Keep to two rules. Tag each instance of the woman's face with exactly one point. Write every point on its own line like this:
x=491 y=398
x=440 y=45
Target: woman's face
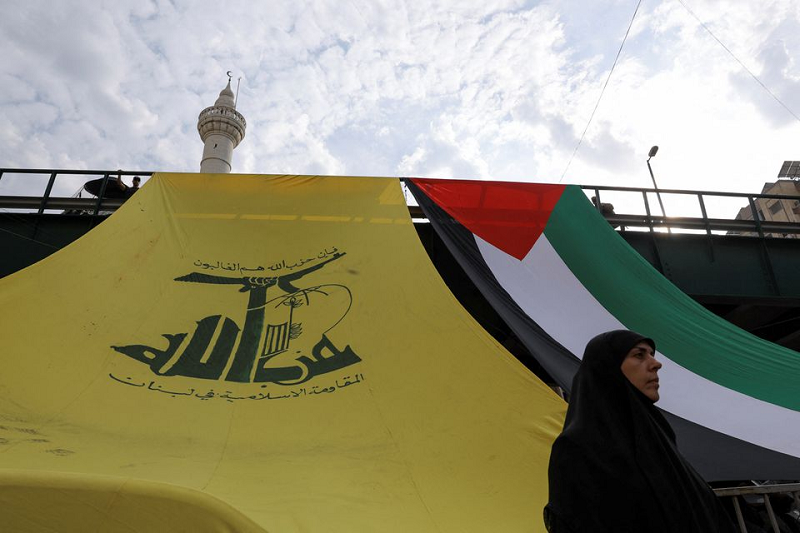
x=641 y=369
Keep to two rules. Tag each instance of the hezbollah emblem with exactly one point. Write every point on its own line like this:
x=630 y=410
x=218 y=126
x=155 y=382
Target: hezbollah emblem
x=263 y=349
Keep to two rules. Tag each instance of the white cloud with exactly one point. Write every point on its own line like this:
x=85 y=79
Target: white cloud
x=492 y=89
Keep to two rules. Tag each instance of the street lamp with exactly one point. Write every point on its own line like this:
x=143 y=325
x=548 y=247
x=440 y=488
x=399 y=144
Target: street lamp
x=652 y=154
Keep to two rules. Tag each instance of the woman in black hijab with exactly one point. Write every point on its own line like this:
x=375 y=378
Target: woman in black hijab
x=616 y=467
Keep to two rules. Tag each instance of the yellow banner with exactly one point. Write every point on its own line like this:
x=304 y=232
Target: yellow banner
x=261 y=353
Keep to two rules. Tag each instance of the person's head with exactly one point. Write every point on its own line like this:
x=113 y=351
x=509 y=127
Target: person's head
x=641 y=368
x=136 y=181
x=623 y=355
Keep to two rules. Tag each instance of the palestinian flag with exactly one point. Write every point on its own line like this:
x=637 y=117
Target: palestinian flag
x=558 y=274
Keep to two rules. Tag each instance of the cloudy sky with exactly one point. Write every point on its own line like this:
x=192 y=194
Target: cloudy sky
x=488 y=89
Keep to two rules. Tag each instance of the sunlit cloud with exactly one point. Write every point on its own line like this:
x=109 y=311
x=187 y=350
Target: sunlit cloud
x=479 y=90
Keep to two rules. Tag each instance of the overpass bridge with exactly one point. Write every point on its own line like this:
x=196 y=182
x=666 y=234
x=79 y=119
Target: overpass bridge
x=745 y=271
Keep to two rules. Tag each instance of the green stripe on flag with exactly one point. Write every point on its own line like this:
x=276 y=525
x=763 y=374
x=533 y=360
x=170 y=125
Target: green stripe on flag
x=642 y=299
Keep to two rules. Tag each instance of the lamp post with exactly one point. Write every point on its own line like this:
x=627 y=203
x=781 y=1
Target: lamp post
x=652 y=154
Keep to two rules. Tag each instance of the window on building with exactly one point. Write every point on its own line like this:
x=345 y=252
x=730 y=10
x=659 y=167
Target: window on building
x=760 y=215
x=774 y=208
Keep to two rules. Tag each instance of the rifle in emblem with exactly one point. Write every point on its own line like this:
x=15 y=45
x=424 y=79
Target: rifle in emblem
x=244 y=358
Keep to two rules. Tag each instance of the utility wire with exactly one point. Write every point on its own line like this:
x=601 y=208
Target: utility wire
x=738 y=61
x=779 y=323
x=21 y=236
x=12 y=215
x=610 y=72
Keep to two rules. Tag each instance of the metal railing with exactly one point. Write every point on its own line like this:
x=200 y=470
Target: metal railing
x=647 y=221
x=90 y=205
x=754 y=225
x=764 y=491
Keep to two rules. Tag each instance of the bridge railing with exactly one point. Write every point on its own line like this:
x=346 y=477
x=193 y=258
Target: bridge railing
x=19 y=195
x=632 y=214
x=763 y=224
x=762 y=493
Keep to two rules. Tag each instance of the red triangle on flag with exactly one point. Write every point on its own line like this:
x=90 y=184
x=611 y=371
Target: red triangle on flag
x=511 y=216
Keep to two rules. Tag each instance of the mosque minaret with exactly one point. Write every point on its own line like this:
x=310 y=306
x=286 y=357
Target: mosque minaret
x=222 y=129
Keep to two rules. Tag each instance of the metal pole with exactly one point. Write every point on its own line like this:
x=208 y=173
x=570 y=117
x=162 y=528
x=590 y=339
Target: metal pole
x=658 y=194
x=647 y=210
x=739 y=517
x=764 y=248
x=660 y=266
x=106 y=177
x=708 y=226
x=771 y=514
x=597 y=201
x=47 y=192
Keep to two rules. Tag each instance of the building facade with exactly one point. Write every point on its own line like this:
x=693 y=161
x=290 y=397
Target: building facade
x=776 y=209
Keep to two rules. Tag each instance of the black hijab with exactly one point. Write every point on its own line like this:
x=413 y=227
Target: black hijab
x=616 y=467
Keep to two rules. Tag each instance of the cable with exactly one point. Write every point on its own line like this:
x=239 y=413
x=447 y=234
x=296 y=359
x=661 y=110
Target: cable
x=779 y=323
x=29 y=239
x=601 y=92
x=13 y=215
x=738 y=61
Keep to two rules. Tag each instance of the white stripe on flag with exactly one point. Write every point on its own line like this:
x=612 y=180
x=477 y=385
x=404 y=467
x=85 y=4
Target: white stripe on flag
x=547 y=291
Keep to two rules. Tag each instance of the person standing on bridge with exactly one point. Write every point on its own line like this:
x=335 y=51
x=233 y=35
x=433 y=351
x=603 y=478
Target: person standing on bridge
x=128 y=190
x=616 y=467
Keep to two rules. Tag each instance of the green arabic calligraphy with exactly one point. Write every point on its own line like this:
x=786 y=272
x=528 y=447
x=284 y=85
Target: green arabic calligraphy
x=247 y=352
